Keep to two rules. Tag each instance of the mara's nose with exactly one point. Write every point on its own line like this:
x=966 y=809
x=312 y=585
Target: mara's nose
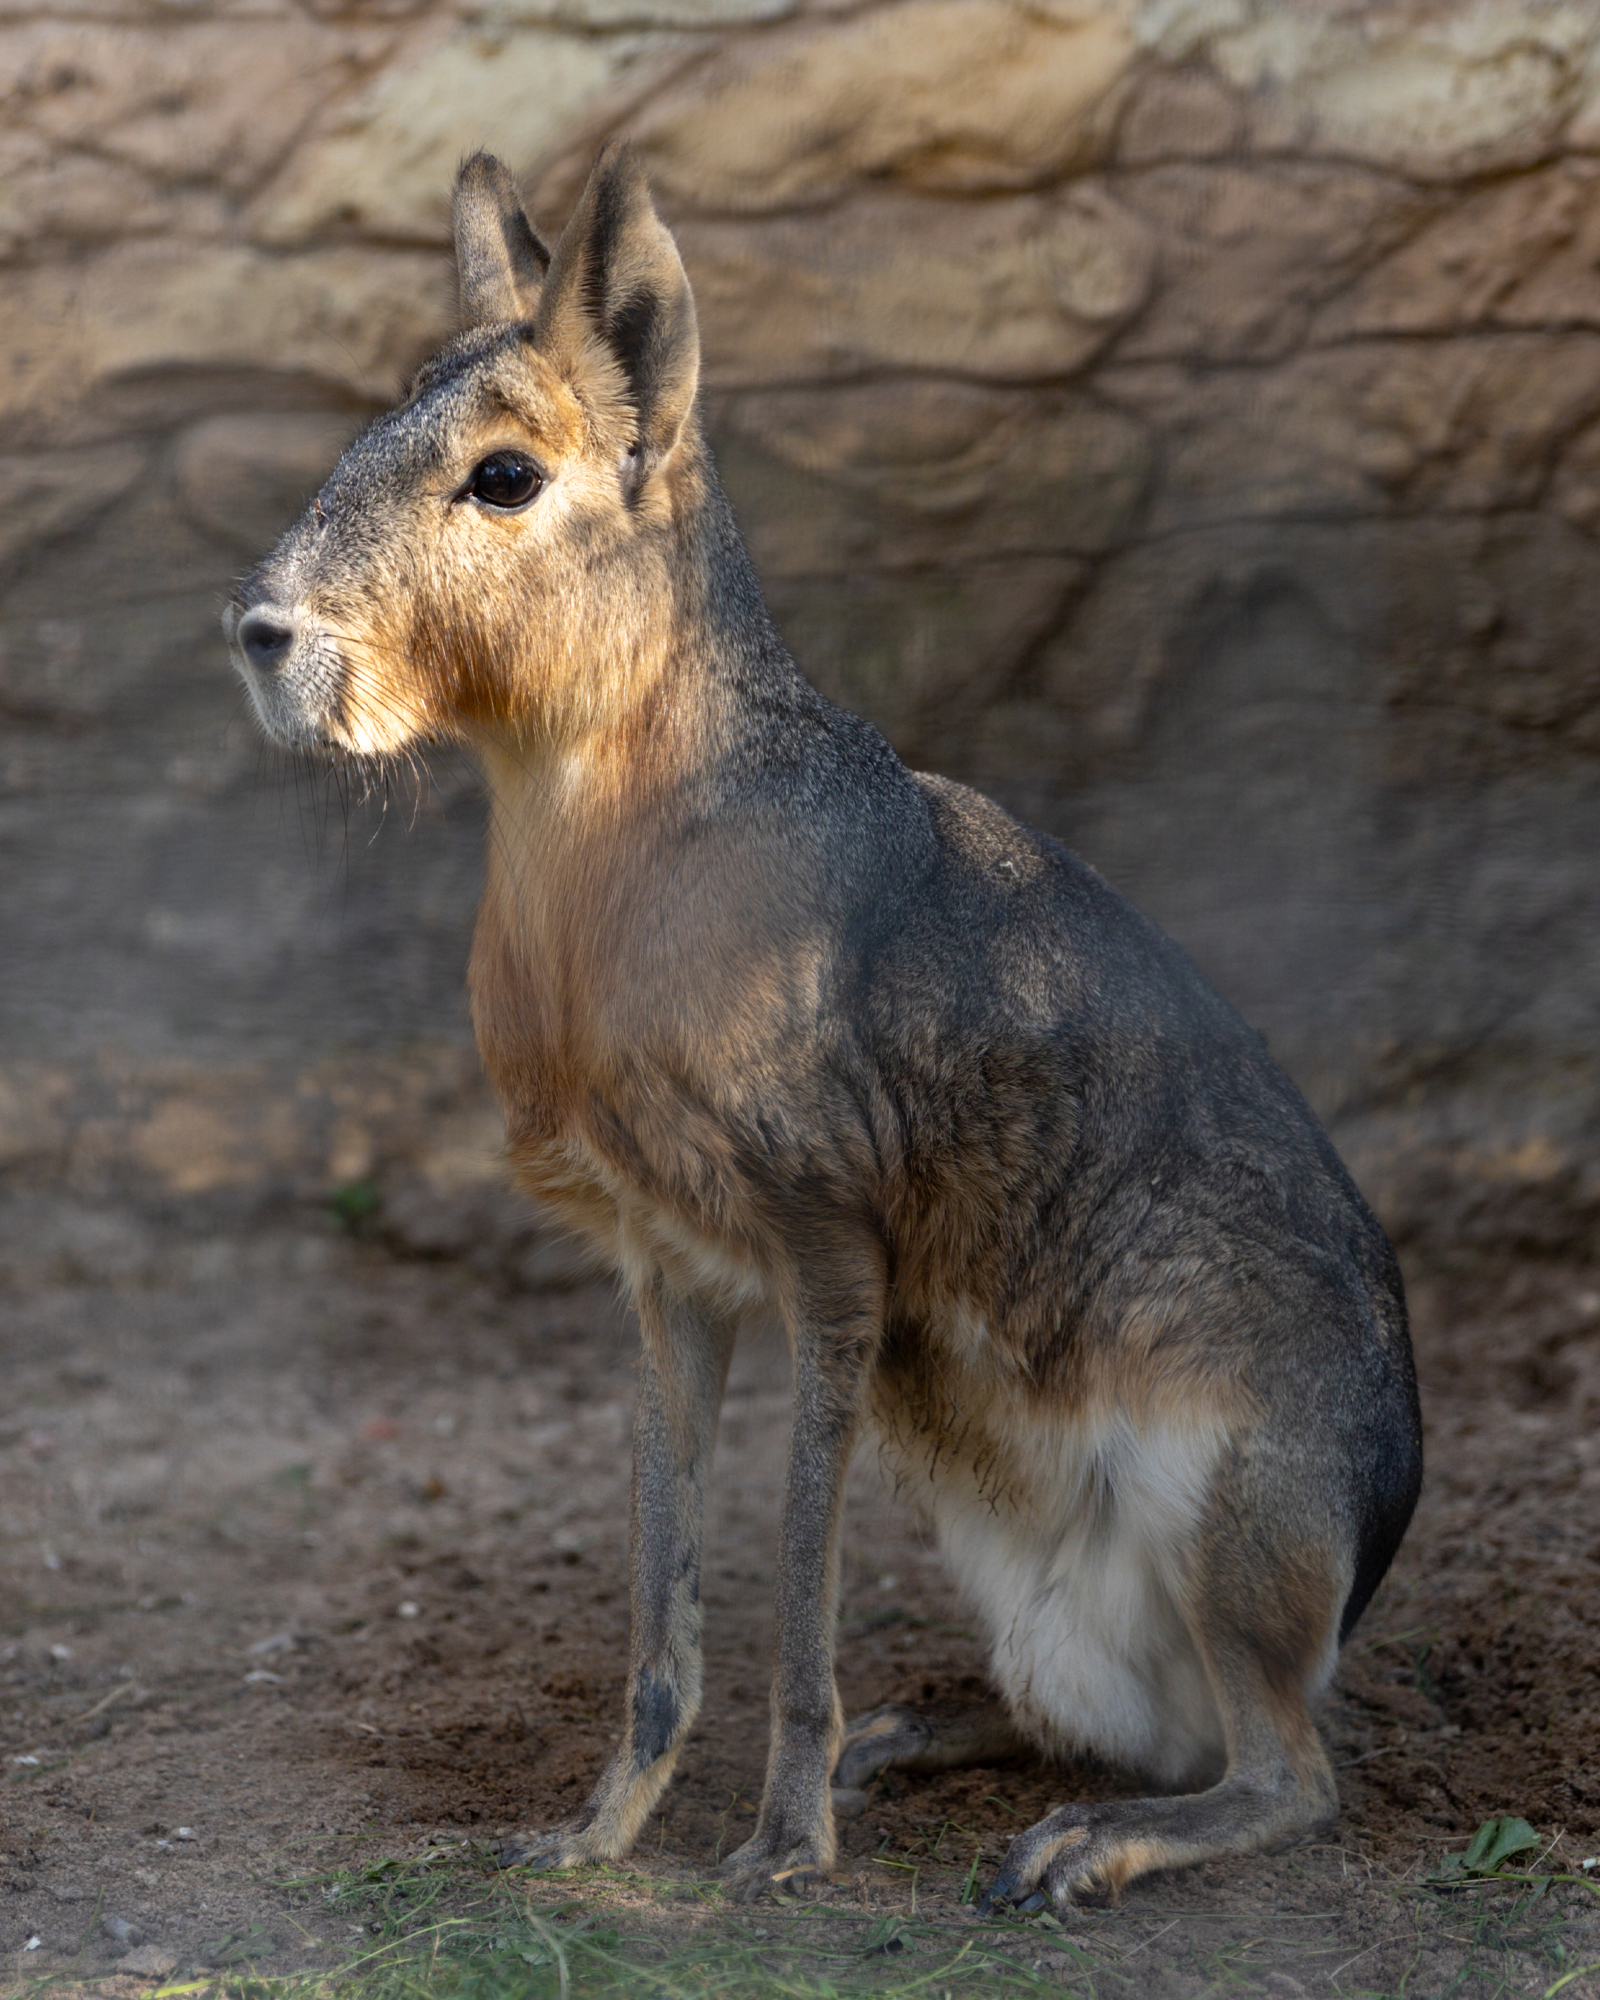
x=265 y=636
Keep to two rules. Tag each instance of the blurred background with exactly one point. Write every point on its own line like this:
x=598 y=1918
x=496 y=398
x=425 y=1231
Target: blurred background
x=1180 y=418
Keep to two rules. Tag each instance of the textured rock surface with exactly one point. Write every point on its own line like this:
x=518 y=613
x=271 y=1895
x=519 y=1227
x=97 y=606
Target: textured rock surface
x=1182 y=419
x=951 y=96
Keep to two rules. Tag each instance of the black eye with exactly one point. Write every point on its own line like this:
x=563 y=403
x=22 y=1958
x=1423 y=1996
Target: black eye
x=505 y=479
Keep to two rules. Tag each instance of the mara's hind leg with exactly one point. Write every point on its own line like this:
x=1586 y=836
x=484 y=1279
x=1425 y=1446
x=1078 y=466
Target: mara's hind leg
x=1263 y=1650
x=929 y=1736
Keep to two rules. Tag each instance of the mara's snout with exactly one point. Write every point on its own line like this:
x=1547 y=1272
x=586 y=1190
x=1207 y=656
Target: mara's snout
x=311 y=684
x=293 y=675
x=266 y=638
x=310 y=661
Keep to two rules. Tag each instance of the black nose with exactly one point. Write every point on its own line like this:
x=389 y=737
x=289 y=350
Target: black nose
x=266 y=636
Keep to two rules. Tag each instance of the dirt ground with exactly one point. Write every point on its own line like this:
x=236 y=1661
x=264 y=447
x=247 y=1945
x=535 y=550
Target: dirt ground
x=312 y=1556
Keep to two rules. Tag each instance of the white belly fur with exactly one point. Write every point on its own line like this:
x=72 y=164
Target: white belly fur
x=1072 y=1547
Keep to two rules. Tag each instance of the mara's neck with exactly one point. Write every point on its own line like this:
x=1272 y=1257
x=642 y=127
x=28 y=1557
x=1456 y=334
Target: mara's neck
x=655 y=709
x=570 y=805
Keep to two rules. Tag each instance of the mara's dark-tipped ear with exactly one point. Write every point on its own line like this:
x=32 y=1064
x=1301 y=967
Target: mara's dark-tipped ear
x=500 y=263
x=618 y=295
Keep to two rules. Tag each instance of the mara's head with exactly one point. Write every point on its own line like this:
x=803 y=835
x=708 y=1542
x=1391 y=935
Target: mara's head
x=498 y=553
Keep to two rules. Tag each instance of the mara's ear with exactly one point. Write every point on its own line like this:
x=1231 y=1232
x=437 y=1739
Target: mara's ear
x=500 y=263
x=617 y=310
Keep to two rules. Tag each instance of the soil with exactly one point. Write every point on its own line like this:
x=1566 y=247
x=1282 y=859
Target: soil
x=312 y=1555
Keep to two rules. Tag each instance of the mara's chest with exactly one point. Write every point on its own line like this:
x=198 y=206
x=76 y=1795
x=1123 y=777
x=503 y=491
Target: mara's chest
x=642 y=1229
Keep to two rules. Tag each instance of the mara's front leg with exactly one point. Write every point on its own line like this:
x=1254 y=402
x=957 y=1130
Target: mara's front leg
x=683 y=1366
x=835 y=1327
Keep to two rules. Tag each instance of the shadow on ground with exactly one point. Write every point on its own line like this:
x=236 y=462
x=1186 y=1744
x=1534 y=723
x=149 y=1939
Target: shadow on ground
x=315 y=1562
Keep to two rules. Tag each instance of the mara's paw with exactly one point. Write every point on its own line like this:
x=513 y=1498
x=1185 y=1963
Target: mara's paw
x=1089 y=1854
x=1075 y=1856
x=568 y=1846
x=937 y=1736
x=777 y=1866
x=877 y=1742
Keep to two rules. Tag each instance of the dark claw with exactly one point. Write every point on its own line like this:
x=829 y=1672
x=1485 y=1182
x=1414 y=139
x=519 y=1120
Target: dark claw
x=1003 y=1895
x=998 y=1897
x=517 y=1854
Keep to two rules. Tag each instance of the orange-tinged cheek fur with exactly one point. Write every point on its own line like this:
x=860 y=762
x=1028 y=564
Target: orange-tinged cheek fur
x=551 y=624
x=553 y=621
x=384 y=705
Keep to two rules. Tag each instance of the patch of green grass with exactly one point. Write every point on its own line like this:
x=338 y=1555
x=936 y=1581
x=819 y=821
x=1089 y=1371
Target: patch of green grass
x=1495 y=1843
x=37 y=1767
x=449 y=1924
x=1504 y=1914
x=448 y=1927
x=355 y=1203
x=1490 y=1854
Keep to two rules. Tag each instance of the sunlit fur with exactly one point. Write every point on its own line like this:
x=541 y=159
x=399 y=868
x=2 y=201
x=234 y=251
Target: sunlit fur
x=784 y=1028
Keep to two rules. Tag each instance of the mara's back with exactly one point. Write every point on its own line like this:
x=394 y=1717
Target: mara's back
x=1093 y=1180
x=1064 y=1116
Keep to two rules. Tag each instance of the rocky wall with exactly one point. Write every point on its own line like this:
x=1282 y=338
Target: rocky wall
x=1180 y=418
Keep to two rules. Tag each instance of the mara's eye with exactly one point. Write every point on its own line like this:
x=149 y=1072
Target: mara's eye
x=505 y=479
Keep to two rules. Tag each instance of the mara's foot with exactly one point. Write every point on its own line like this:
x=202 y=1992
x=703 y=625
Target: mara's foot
x=775 y=1865
x=568 y=1846
x=936 y=1736
x=1087 y=1854
x=1066 y=1858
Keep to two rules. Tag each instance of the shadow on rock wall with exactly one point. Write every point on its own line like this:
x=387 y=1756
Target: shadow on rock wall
x=1183 y=422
